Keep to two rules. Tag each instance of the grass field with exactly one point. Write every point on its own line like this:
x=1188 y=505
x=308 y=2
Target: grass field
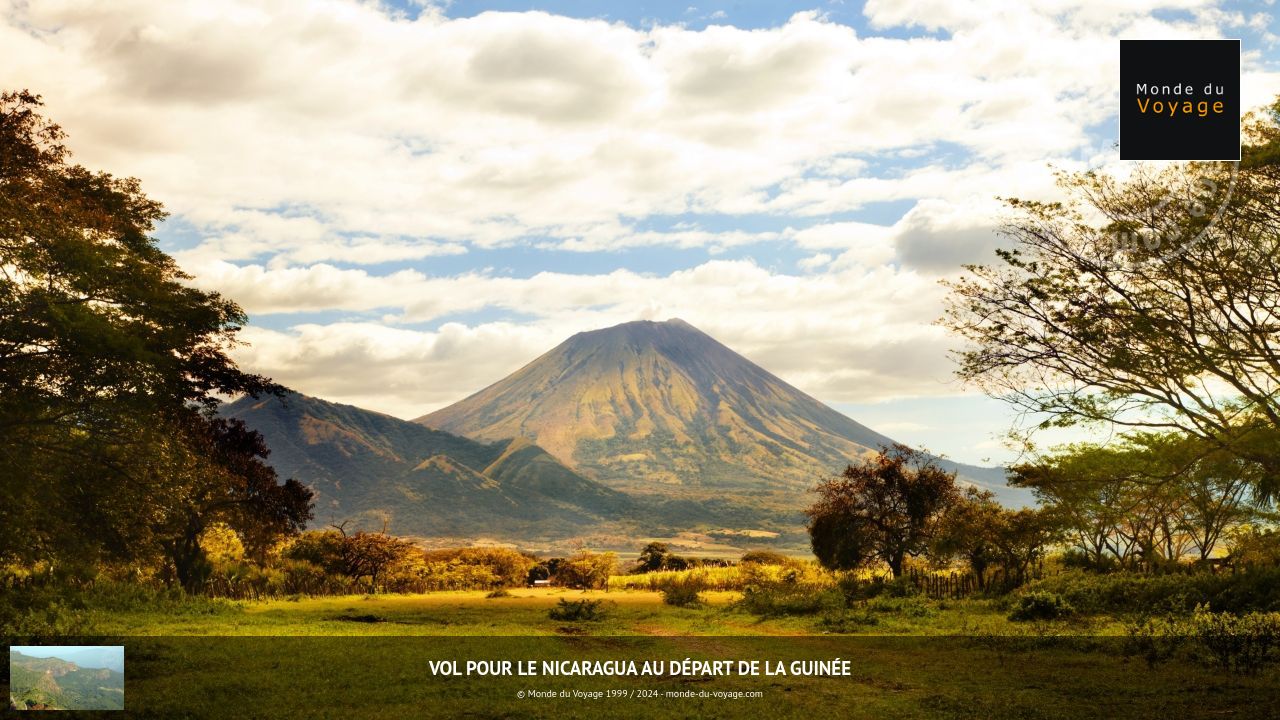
x=525 y=612
x=367 y=656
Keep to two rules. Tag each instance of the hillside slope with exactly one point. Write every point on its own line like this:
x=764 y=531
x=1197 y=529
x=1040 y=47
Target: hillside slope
x=665 y=409
x=56 y=684
x=373 y=469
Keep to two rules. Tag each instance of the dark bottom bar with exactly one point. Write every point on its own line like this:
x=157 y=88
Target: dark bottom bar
x=886 y=677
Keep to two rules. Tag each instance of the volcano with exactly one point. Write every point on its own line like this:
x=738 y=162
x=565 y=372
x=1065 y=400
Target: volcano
x=662 y=408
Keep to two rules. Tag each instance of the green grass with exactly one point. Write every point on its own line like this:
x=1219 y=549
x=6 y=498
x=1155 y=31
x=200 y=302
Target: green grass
x=630 y=612
x=379 y=677
x=366 y=656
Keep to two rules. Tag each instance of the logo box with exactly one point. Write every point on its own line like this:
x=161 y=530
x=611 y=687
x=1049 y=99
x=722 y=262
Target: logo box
x=1180 y=100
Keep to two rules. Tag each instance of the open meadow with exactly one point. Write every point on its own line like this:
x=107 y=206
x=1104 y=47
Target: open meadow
x=367 y=656
x=524 y=612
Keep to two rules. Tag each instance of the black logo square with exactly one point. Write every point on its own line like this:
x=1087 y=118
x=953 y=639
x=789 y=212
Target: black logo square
x=1179 y=99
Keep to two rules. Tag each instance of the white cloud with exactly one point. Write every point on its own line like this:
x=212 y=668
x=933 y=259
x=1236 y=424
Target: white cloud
x=856 y=335
x=301 y=139
x=815 y=262
x=501 y=127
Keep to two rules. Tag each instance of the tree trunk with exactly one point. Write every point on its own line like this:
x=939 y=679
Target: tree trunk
x=895 y=564
x=186 y=554
x=979 y=571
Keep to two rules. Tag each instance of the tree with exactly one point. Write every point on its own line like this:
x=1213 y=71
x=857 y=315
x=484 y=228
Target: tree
x=587 y=570
x=217 y=476
x=968 y=530
x=653 y=557
x=1093 y=493
x=1020 y=537
x=883 y=510
x=986 y=535
x=111 y=368
x=1145 y=499
x=1162 y=315
x=1213 y=488
x=221 y=544
x=369 y=554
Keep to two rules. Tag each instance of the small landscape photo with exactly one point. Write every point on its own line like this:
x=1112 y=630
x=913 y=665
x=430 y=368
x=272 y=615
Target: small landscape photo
x=66 y=677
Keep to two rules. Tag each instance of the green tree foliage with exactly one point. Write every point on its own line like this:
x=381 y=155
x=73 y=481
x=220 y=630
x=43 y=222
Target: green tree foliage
x=381 y=562
x=765 y=557
x=985 y=535
x=221 y=544
x=587 y=570
x=657 y=556
x=1021 y=537
x=356 y=556
x=653 y=557
x=1137 y=303
x=1252 y=546
x=885 y=510
x=1145 y=500
x=967 y=531
x=110 y=370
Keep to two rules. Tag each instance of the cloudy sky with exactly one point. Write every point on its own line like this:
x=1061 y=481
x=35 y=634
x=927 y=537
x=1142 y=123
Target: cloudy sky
x=413 y=199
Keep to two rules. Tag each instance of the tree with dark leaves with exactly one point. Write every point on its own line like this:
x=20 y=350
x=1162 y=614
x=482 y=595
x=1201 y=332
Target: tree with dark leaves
x=111 y=369
x=883 y=510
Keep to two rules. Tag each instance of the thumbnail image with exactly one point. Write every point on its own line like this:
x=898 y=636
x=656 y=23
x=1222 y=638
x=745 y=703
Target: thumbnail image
x=66 y=677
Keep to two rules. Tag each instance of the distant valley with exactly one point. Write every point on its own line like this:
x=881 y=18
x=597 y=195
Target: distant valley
x=52 y=683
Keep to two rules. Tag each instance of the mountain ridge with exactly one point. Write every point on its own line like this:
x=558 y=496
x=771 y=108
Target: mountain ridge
x=661 y=407
x=378 y=470
x=52 y=683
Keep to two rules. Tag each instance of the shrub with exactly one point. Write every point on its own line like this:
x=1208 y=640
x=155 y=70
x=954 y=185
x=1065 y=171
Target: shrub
x=577 y=611
x=844 y=621
x=853 y=588
x=1080 y=560
x=587 y=570
x=499 y=593
x=1251 y=546
x=914 y=606
x=1038 y=605
x=42 y=613
x=1238 y=643
x=715 y=578
x=506 y=567
x=683 y=591
x=899 y=587
x=1256 y=589
x=765 y=557
x=1155 y=639
x=773 y=600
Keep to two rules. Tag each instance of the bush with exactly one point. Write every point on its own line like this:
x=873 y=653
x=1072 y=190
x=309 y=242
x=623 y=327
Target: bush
x=1238 y=643
x=773 y=600
x=1155 y=639
x=1080 y=560
x=42 y=612
x=683 y=591
x=587 y=570
x=765 y=557
x=1256 y=589
x=1251 y=546
x=853 y=588
x=914 y=606
x=899 y=587
x=499 y=593
x=505 y=567
x=1038 y=605
x=844 y=621
x=577 y=611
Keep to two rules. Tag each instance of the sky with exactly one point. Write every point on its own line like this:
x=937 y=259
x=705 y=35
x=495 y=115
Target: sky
x=413 y=199
x=87 y=656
